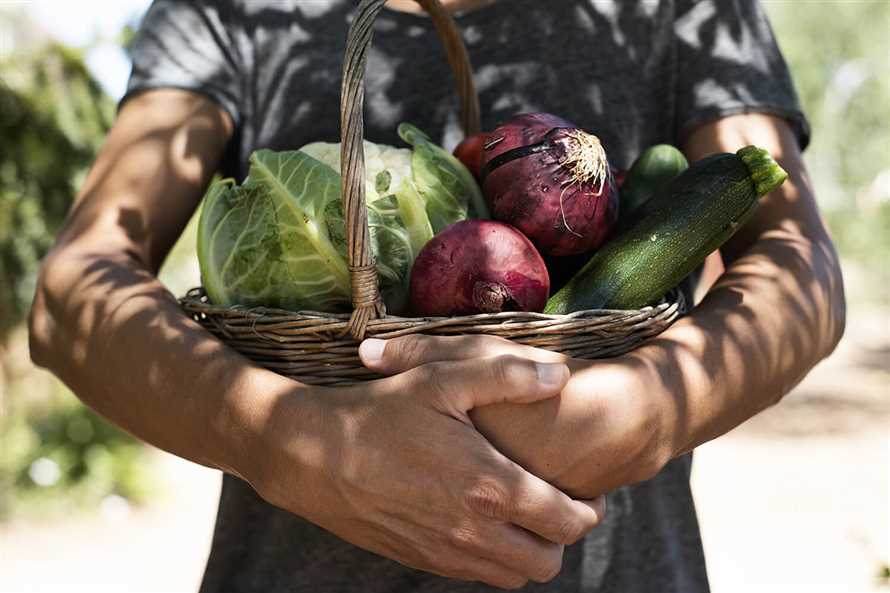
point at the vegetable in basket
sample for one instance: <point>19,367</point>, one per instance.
<point>552,181</point>
<point>478,266</point>
<point>655,168</point>
<point>684,222</point>
<point>469,152</point>
<point>279,239</point>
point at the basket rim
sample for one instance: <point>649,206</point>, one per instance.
<point>316,347</point>
<point>197,297</point>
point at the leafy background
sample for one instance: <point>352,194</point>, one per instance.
<point>57,457</point>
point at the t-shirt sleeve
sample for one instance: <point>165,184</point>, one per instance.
<point>729,62</point>
<point>188,45</point>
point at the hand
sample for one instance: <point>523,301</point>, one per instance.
<point>396,467</point>
<point>611,426</point>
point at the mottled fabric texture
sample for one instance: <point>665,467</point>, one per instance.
<point>634,73</point>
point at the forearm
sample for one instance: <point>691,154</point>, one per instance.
<point>117,338</point>
<point>592,438</point>
<point>552,438</point>
<point>108,328</point>
<point>776,311</point>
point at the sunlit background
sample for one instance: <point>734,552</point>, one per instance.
<point>798,499</point>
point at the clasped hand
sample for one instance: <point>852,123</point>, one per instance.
<point>398,467</point>
<point>614,424</point>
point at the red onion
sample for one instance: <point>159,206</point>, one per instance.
<point>478,266</point>
<point>469,152</point>
<point>552,181</point>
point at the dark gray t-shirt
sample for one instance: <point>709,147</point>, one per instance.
<point>634,73</point>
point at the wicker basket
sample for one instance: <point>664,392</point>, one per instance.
<point>322,348</point>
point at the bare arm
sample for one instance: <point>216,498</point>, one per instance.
<point>101,320</point>
<point>350,460</point>
<point>776,311</point>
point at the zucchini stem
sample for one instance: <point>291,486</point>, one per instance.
<point>766,173</point>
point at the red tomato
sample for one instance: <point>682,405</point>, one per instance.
<point>619,175</point>
<point>469,152</point>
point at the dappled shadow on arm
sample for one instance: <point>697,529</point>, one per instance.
<point>101,320</point>
<point>766,323</point>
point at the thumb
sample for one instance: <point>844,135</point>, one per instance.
<point>397,355</point>
<point>468,384</point>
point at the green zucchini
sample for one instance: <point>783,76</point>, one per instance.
<point>655,168</point>
<point>684,222</point>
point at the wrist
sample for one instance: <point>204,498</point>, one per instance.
<point>631,410</point>
<point>665,400</point>
<point>293,436</point>
<point>253,412</point>
<point>657,403</point>
<point>667,366</point>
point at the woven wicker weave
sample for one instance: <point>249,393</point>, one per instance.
<point>321,348</point>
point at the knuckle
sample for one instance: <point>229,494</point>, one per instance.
<point>410,349</point>
<point>493,344</point>
<point>489,499</point>
<point>463,537</point>
<point>509,370</point>
<point>437,382</point>
<point>570,530</point>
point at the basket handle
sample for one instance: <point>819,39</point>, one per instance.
<point>366,301</point>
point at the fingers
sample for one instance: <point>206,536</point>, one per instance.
<point>529,502</point>
<point>397,355</point>
<point>458,387</point>
<point>510,547</point>
<point>598,505</point>
<point>490,573</point>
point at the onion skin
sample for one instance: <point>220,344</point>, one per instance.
<point>539,192</point>
<point>478,266</point>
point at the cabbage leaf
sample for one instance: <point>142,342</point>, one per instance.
<point>279,239</point>
<point>447,186</point>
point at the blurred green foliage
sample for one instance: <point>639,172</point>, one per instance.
<point>55,454</point>
<point>53,117</point>
<point>59,456</point>
<point>838,54</point>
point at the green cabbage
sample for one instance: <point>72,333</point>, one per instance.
<point>279,240</point>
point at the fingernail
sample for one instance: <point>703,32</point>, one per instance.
<point>371,350</point>
<point>551,374</point>
<point>599,505</point>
